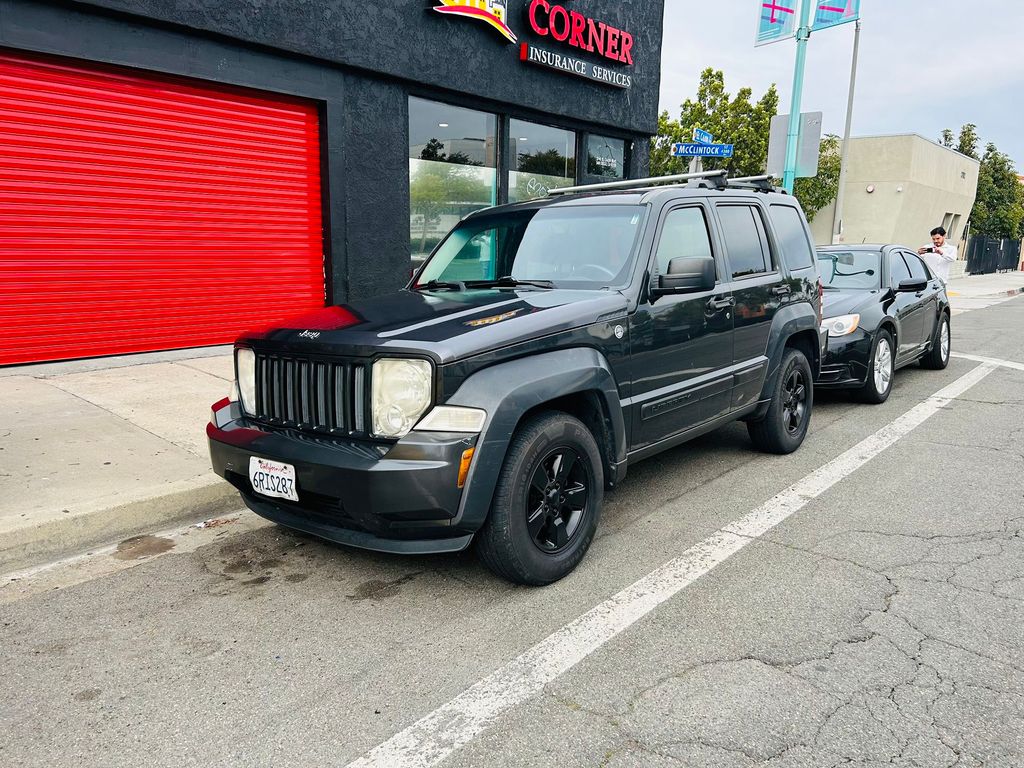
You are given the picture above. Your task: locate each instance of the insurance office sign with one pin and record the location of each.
(568, 29)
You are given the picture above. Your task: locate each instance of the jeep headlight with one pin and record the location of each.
(245, 371)
(402, 392)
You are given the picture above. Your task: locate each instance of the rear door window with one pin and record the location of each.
(746, 240)
(793, 241)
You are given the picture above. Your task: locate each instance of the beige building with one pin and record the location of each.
(899, 188)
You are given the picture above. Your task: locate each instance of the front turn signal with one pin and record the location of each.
(467, 459)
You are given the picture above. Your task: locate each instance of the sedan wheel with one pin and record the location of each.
(880, 374)
(938, 356)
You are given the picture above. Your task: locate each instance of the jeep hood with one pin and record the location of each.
(446, 325)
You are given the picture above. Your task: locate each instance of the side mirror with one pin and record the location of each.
(686, 275)
(912, 286)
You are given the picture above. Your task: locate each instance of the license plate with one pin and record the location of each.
(272, 478)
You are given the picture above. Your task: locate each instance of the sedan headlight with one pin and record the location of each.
(402, 392)
(245, 367)
(843, 325)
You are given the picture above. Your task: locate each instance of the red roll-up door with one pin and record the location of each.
(142, 213)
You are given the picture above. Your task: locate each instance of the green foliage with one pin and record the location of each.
(946, 138)
(437, 188)
(816, 192)
(999, 207)
(549, 162)
(732, 119)
(968, 144)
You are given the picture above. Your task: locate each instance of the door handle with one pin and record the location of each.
(722, 303)
(782, 290)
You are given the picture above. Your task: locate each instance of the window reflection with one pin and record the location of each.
(543, 158)
(452, 169)
(606, 157)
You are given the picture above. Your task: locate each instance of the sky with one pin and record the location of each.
(924, 66)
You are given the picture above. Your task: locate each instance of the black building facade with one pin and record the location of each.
(427, 109)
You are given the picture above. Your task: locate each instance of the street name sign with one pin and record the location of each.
(702, 137)
(684, 149)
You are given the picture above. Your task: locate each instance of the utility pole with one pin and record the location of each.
(803, 34)
(837, 220)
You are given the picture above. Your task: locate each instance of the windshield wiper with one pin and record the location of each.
(437, 285)
(510, 282)
(828, 287)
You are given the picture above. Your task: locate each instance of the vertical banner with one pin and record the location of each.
(778, 21)
(832, 13)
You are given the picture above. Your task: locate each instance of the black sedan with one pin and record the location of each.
(883, 309)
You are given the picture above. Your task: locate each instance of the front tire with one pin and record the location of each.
(547, 502)
(881, 370)
(938, 356)
(784, 426)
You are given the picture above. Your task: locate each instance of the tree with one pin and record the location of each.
(548, 162)
(732, 119)
(818, 191)
(968, 144)
(999, 206)
(946, 138)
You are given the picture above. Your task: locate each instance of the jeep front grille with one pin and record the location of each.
(327, 396)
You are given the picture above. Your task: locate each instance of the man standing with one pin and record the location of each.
(939, 255)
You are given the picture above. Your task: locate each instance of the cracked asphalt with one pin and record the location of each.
(879, 625)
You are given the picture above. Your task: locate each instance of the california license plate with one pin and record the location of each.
(272, 478)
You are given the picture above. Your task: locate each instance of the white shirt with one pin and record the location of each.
(939, 261)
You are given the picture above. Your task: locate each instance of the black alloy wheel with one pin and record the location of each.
(784, 426)
(557, 499)
(795, 407)
(547, 501)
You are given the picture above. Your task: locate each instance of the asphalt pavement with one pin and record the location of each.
(859, 603)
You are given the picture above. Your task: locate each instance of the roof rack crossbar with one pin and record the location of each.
(763, 182)
(631, 184)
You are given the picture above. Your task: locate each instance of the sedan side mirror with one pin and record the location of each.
(686, 275)
(912, 286)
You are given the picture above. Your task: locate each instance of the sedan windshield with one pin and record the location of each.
(584, 247)
(851, 270)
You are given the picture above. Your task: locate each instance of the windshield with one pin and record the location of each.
(854, 270)
(585, 247)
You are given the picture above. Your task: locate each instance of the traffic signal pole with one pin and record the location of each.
(803, 33)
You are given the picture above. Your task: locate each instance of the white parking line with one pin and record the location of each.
(990, 361)
(453, 725)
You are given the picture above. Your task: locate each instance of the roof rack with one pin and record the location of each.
(634, 184)
(707, 179)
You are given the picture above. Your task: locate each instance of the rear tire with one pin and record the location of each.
(881, 370)
(547, 502)
(938, 356)
(784, 426)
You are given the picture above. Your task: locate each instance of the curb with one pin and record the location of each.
(49, 535)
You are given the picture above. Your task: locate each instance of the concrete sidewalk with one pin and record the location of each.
(969, 292)
(98, 450)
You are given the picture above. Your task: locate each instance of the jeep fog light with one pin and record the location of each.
(449, 418)
(401, 394)
(245, 365)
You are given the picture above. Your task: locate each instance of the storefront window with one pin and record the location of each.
(542, 158)
(452, 169)
(606, 157)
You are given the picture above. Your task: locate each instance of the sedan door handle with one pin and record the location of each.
(722, 303)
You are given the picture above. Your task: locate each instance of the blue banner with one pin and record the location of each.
(834, 13)
(778, 21)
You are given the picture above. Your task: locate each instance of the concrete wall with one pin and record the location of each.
(918, 185)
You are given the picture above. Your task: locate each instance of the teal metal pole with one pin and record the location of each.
(803, 33)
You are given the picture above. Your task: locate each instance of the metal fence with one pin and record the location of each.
(992, 254)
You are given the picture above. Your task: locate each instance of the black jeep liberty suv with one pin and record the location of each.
(542, 349)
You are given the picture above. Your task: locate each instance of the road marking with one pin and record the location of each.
(430, 740)
(994, 361)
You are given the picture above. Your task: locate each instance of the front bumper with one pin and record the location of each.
(402, 497)
(846, 361)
